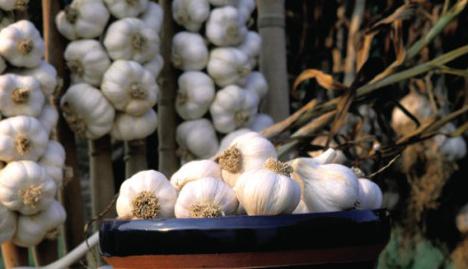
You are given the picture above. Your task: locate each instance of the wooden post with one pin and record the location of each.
(271, 22)
(135, 157)
(71, 192)
(14, 256)
(168, 162)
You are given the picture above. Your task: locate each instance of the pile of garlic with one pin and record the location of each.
(217, 55)
(32, 162)
(247, 178)
(113, 57)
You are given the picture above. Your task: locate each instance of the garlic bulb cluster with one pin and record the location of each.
(32, 161)
(218, 63)
(196, 139)
(116, 63)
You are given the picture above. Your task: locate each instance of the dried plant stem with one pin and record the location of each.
(168, 161)
(350, 61)
(135, 157)
(14, 256)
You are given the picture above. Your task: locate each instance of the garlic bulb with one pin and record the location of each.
(269, 190)
(228, 66)
(22, 138)
(195, 95)
(251, 46)
(370, 195)
(126, 8)
(246, 8)
(257, 83)
(195, 170)
(146, 195)
(25, 187)
(131, 39)
(7, 224)
(196, 139)
(87, 111)
(33, 229)
(301, 208)
(260, 122)
(233, 108)
(127, 127)
(53, 161)
(155, 66)
(224, 27)
(416, 104)
(327, 187)
(48, 118)
(22, 45)
(223, 2)
(153, 16)
(9, 5)
(190, 14)
(451, 148)
(45, 74)
(227, 140)
(207, 197)
(189, 51)
(130, 87)
(20, 96)
(246, 152)
(87, 61)
(82, 19)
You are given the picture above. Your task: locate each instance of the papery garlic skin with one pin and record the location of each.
(267, 192)
(251, 46)
(204, 198)
(233, 108)
(228, 66)
(260, 122)
(53, 161)
(417, 105)
(153, 16)
(196, 139)
(20, 95)
(155, 66)
(257, 83)
(8, 221)
(246, 152)
(225, 27)
(33, 229)
(45, 74)
(327, 187)
(190, 14)
(195, 170)
(124, 8)
(189, 51)
(301, 208)
(227, 140)
(195, 94)
(451, 148)
(370, 195)
(127, 127)
(245, 9)
(146, 195)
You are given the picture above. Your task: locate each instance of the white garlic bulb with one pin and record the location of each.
(246, 8)
(126, 8)
(227, 140)
(7, 224)
(20, 95)
(131, 39)
(260, 122)
(207, 197)
(45, 74)
(155, 66)
(451, 148)
(33, 229)
(146, 195)
(370, 195)
(417, 105)
(195, 170)
(257, 83)
(196, 139)
(153, 16)
(53, 161)
(228, 66)
(301, 208)
(233, 108)
(9, 5)
(87, 61)
(246, 152)
(195, 94)
(329, 155)
(269, 190)
(127, 127)
(48, 118)
(225, 27)
(327, 187)
(189, 51)
(251, 46)
(190, 14)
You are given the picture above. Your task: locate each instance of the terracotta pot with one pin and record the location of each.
(317, 240)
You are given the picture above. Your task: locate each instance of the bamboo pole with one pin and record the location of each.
(70, 195)
(14, 256)
(168, 162)
(135, 157)
(271, 22)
